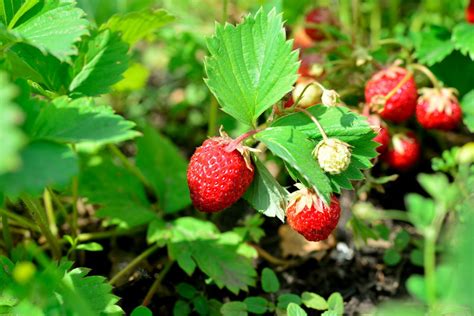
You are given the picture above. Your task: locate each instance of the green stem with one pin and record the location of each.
(58, 203)
(108, 234)
(212, 125)
(430, 266)
(429, 74)
(22, 221)
(48, 206)
(131, 167)
(355, 21)
(75, 215)
(375, 23)
(39, 215)
(156, 285)
(133, 264)
(7, 235)
(395, 215)
(315, 121)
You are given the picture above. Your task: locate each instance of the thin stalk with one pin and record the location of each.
(132, 265)
(355, 21)
(75, 215)
(232, 145)
(429, 262)
(58, 203)
(395, 215)
(107, 234)
(48, 206)
(315, 121)
(22, 221)
(131, 167)
(375, 23)
(428, 74)
(7, 235)
(39, 215)
(156, 285)
(212, 124)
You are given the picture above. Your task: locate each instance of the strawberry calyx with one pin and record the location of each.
(438, 99)
(236, 144)
(305, 198)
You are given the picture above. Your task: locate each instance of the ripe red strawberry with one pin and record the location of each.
(438, 109)
(311, 66)
(383, 134)
(217, 178)
(317, 16)
(405, 151)
(393, 91)
(470, 12)
(308, 215)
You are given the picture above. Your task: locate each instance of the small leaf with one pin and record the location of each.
(54, 28)
(336, 303)
(295, 310)
(416, 287)
(330, 313)
(134, 78)
(285, 299)
(165, 168)
(91, 246)
(186, 290)
(81, 120)
(391, 257)
(141, 311)
(421, 211)
(467, 104)
(251, 65)
(200, 305)
(463, 34)
(102, 61)
(433, 46)
(416, 257)
(401, 240)
(265, 194)
(181, 308)
(270, 283)
(44, 164)
(256, 305)
(313, 300)
(234, 309)
(136, 26)
(158, 232)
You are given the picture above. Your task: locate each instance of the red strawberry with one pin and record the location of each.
(308, 215)
(393, 91)
(470, 12)
(405, 151)
(438, 109)
(217, 177)
(383, 135)
(289, 102)
(317, 16)
(302, 40)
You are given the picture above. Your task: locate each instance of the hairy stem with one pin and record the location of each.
(132, 265)
(315, 121)
(39, 216)
(156, 285)
(427, 73)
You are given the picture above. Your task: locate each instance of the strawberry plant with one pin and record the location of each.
(155, 161)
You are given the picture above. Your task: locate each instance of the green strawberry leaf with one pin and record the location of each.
(433, 45)
(270, 282)
(234, 309)
(295, 148)
(79, 121)
(338, 122)
(336, 303)
(421, 210)
(463, 35)
(25, 7)
(10, 134)
(118, 192)
(314, 301)
(136, 26)
(165, 168)
(224, 257)
(251, 65)
(256, 304)
(295, 310)
(285, 299)
(53, 26)
(43, 163)
(467, 104)
(265, 194)
(101, 62)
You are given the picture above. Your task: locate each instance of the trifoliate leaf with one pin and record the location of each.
(463, 38)
(43, 163)
(165, 168)
(136, 26)
(53, 26)
(467, 104)
(101, 62)
(199, 243)
(340, 123)
(119, 194)
(265, 194)
(11, 136)
(251, 65)
(433, 45)
(81, 120)
(295, 148)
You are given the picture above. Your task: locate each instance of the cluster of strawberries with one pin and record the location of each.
(220, 171)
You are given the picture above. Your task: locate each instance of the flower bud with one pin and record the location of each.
(333, 155)
(330, 98)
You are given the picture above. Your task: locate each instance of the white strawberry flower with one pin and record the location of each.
(333, 155)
